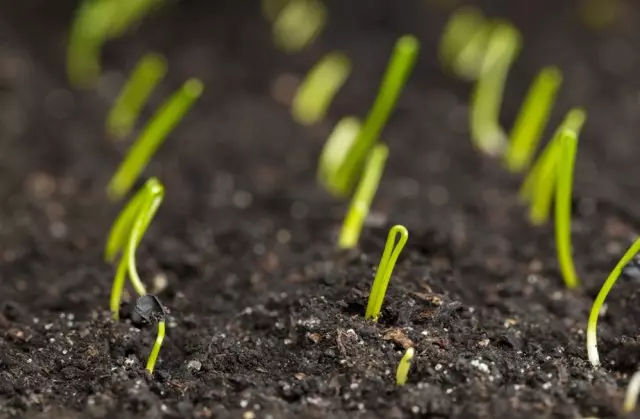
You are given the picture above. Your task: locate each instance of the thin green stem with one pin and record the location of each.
(153, 356)
(631, 395)
(336, 150)
(402, 372)
(117, 288)
(592, 325)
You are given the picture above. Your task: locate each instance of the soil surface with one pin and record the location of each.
(265, 314)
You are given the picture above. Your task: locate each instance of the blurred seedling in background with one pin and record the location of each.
(402, 372)
(631, 396)
(295, 23)
(95, 23)
(125, 236)
(336, 149)
(148, 72)
(318, 89)
(388, 261)
(152, 136)
(363, 196)
(599, 14)
(149, 310)
(339, 173)
(596, 308)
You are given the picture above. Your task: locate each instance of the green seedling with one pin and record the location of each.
(631, 396)
(272, 8)
(566, 161)
(153, 134)
(361, 201)
(385, 269)
(336, 149)
(298, 24)
(464, 42)
(145, 76)
(532, 119)
(125, 236)
(592, 325)
(538, 186)
(149, 310)
(502, 48)
(403, 367)
(319, 88)
(95, 23)
(402, 61)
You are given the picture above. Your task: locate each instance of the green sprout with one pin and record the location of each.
(361, 201)
(337, 148)
(538, 186)
(403, 367)
(385, 268)
(95, 23)
(125, 236)
(298, 24)
(592, 325)
(145, 76)
(566, 161)
(402, 61)
(153, 356)
(319, 87)
(153, 134)
(502, 48)
(532, 119)
(631, 396)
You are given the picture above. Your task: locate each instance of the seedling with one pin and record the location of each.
(361, 201)
(125, 236)
(502, 48)
(532, 119)
(153, 134)
(402, 61)
(298, 24)
(565, 162)
(631, 396)
(148, 310)
(145, 76)
(337, 149)
(538, 186)
(403, 367)
(385, 269)
(319, 87)
(95, 23)
(592, 325)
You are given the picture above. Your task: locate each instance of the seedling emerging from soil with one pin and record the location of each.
(631, 396)
(566, 162)
(385, 268)
(532, 119)
(592, 325)
(361, 201)
(148, 310)
(502, 48)
(319, 87)
(402, 60)
(145, 76)
(403, 367)
(153, 134)
(95, 23)
(299, 24)
(538, 186)
(336, 150)
(125, 236)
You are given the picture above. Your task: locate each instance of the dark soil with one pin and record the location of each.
(266, 316)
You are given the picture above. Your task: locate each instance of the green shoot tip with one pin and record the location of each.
(402, 371)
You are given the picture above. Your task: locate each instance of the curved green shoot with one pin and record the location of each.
(565, 163)
(592, 325)
(532, 119)
(464, 41)
(361, 201)
(385, 268)
(402, 372)
(153, 134)
(153, 356)
(538, 186)
(95, 23)
(319, 88)
(336, 149)
(145, 76)
(631, 396)
(402, 61)
(125, 236)
(298, 24)
(486, 132)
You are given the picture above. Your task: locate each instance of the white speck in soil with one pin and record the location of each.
(194, 365)
(481, 366)
(438, 367)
